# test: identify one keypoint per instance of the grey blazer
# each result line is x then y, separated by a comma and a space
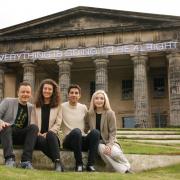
107, 126
9, 108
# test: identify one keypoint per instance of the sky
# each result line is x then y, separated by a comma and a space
14, 12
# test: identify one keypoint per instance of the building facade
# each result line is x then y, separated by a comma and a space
134, 57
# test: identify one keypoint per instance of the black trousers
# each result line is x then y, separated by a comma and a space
78, 143
50, 145
15, 136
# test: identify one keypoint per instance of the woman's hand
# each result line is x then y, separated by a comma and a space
107, 150
43, 135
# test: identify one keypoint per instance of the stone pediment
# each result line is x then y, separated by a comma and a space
87, 20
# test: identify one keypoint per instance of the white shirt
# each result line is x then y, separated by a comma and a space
73, 117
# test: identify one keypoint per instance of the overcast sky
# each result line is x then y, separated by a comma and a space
13, 12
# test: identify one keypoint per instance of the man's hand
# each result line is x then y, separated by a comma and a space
4, 125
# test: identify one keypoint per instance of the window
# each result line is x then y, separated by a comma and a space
160, 120
128, 122
159, 87
127, 89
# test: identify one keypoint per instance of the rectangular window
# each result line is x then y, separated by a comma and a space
160, 120
127, 89
159, 87
128, 122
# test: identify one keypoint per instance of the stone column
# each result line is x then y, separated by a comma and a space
101, 74
1, 82
29, 73
64, 77
174, 88
141, 91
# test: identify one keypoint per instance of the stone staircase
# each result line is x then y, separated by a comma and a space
162, 137
138, 162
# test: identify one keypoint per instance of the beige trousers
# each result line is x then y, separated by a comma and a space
116, 160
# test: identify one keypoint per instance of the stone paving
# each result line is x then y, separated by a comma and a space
146, 162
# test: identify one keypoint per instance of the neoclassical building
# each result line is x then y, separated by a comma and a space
134, 57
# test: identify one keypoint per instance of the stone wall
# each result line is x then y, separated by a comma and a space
138, 162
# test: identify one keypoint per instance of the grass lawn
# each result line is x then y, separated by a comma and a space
149, 129
168, 173
130, 147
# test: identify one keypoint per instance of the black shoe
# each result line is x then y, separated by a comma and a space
129, 172
90, 168
79, 168
58, 167
10, 162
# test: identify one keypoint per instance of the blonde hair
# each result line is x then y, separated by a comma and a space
106, 106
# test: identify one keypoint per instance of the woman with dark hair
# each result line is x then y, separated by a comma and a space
47, 115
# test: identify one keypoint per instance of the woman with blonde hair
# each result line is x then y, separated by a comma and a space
102, 117
47, 115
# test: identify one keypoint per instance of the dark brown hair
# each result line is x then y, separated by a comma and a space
76, 86
55, 98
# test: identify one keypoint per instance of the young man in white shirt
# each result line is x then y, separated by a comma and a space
74, 119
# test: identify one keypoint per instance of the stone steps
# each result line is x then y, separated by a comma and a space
155, 141
145, 162
138, 162
149, 132
145, 136
165, 137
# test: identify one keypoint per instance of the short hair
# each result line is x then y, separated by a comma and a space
24, 83
76, 86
